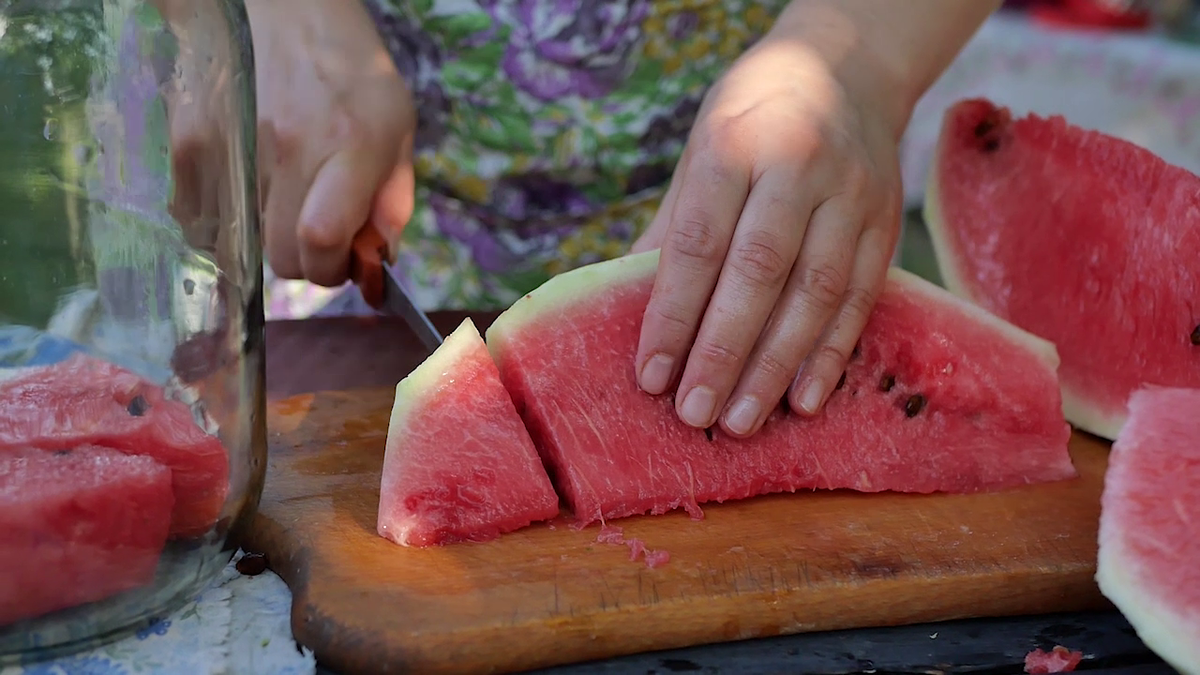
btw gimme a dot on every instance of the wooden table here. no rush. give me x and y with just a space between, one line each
351 352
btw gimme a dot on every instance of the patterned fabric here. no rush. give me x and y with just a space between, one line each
548 131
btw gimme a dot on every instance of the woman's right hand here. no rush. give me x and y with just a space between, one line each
335 132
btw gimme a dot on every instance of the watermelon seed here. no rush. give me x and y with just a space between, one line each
708 433
842 381
991 145
1196 335
984 127
138 406
61 453
913 405
887 383
857 351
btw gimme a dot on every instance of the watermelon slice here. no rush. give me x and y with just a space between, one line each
86 401
1086 240
77 526
941 396
459 464
1149 559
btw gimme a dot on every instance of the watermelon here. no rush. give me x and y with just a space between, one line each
459 464
939 396
83 400
77 526
1149 556
1081 238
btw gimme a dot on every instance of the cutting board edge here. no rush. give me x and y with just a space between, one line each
577 641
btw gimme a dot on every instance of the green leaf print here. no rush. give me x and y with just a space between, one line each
454 28
467 75
517 129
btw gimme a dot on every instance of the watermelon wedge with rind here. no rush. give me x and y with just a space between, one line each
1149 555
459 464
1079 237
77 526
84 400
990 414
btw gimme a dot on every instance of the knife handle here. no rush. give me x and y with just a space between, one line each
367 253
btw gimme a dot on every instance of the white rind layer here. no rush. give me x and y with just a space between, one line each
1171 635
1078 410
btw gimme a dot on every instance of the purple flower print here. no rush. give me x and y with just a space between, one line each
562 48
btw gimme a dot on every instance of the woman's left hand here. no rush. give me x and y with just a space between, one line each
775 233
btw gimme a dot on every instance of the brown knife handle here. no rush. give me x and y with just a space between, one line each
367 253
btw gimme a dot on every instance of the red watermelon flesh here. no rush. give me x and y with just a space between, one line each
1149 557
1086 240
86 401
77 526
459 464
985 404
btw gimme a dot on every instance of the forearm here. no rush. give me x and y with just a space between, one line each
893 50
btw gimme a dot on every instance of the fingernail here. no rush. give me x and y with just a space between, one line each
744 414
656 374
813 394
698 407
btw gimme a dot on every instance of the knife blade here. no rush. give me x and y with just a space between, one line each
382 290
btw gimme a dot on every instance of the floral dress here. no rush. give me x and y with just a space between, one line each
548 130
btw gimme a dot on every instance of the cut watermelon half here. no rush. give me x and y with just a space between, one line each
1149 557
941 396
459 464
1086 240
77 526
83 400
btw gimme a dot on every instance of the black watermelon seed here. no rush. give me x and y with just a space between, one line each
991 145
138 406
841 381
708 433
913 405
61 453
984 127
857 351
887 382
1196 335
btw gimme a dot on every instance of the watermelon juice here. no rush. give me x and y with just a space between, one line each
132 433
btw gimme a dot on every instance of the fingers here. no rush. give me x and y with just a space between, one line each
810 298
758 264
824 366
394 203
338 203
711 194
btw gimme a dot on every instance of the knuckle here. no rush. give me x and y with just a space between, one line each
759 261
823 286
321 237
832 355
776 367
717 353
695 236
671 322
858 302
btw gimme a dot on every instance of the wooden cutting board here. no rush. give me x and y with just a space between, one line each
550 595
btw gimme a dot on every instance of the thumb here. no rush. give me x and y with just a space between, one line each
656 232
336 206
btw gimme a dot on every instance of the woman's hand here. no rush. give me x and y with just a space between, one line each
336 124
335 131
776 233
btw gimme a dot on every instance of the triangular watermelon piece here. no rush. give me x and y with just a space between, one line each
77 526
1149 559
83 400
459 464
942 396
1084 239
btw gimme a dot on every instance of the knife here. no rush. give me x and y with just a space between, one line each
382 290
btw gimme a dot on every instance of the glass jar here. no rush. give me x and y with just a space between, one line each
132 437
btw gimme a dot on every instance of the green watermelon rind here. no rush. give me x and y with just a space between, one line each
572 287
1075 406
1164 632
